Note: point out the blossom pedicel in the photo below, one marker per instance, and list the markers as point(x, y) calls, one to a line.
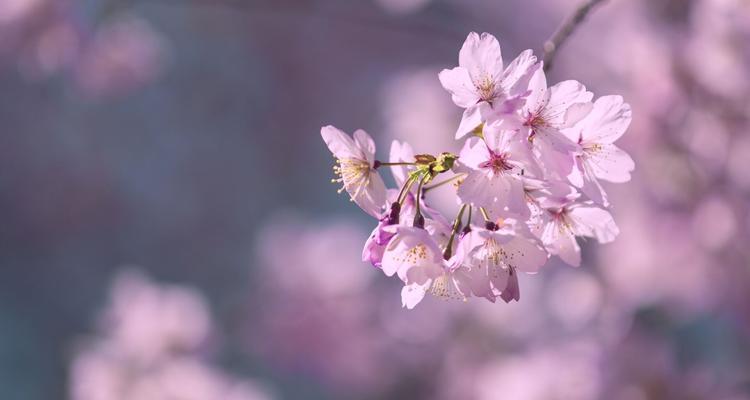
point(526, 180)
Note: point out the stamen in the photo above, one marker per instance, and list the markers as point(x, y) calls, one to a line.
point(353, 174)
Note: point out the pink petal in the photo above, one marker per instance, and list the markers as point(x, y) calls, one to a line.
point(474, 153)
point(563, 96)
point(611, 164)
point(340, 144)
point(538, 92)
point(525, 255)
point(594, 222)
point(366, 144)
point(412, 294)
point(372, 199)
point(470, 120)
point(481, 56)
point(516, 77)
point(607, 121)
point(400, 152)
point(458, 83)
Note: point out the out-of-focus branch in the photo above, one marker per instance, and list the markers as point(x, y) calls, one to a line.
point(553, 44)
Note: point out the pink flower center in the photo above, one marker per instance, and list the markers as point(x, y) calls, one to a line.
point(534, 120)
point(498, 163)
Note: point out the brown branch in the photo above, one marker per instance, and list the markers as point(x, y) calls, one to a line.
point(567, 28)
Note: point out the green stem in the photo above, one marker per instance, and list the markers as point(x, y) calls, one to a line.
point(418, 218)
point(484, 214)
point(396, 163)
point(448, 252)
point(443, 182)
point(404, 189)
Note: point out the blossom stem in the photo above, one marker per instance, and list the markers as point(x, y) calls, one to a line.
point(484, 214)
point(379, 163)
point(467, 228)
point(448, 252)
point(404, 190)
point(418, 218)
point(443, 182)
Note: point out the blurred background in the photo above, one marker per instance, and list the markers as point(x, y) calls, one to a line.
point(169, 231)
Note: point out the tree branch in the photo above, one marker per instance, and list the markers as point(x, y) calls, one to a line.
point(567, 28)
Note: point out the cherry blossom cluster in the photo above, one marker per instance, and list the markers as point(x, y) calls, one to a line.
point(526, 182)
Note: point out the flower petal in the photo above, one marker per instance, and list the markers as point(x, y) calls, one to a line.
point(366, 144)
point(458, 83)
point(412, 294)
point(563, 96)
point(611, 164)
point(516, 77)
point(607, 121)
point(594, 222)
point(340, 144)
point(481, 56)
point(470, 120)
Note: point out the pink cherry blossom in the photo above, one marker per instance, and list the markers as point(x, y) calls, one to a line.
point(493, 257)
point(356, 168)
point(496, 167)
point(415, 257)
point(482, 85)
point(559, 225)
point(531, 168)
point(597, 156)
point(546, 112)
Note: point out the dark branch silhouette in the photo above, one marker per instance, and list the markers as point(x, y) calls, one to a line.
point(553, 44)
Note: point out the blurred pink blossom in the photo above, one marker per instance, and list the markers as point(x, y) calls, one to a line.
point(125, 53)
point(147, 349)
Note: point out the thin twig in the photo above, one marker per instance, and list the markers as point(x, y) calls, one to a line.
point(565, 30)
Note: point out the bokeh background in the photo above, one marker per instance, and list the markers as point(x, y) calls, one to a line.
point(169, 230)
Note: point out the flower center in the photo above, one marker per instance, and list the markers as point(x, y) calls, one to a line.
point(564, 225)
point(445, 288)
point(593, 148)
point(498, 163)
point(414, 255)
point(353, 173)
point(494, 253)
point(486, 88)
point(535, 120)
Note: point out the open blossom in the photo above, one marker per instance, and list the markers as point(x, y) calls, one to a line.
point(597, 156)
point(482, 85)
point(415, 257)
point(530, 169)
point(494, 257)
point(546, 112)
point(356, 168)
point(496, 168)
point(560, 223)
